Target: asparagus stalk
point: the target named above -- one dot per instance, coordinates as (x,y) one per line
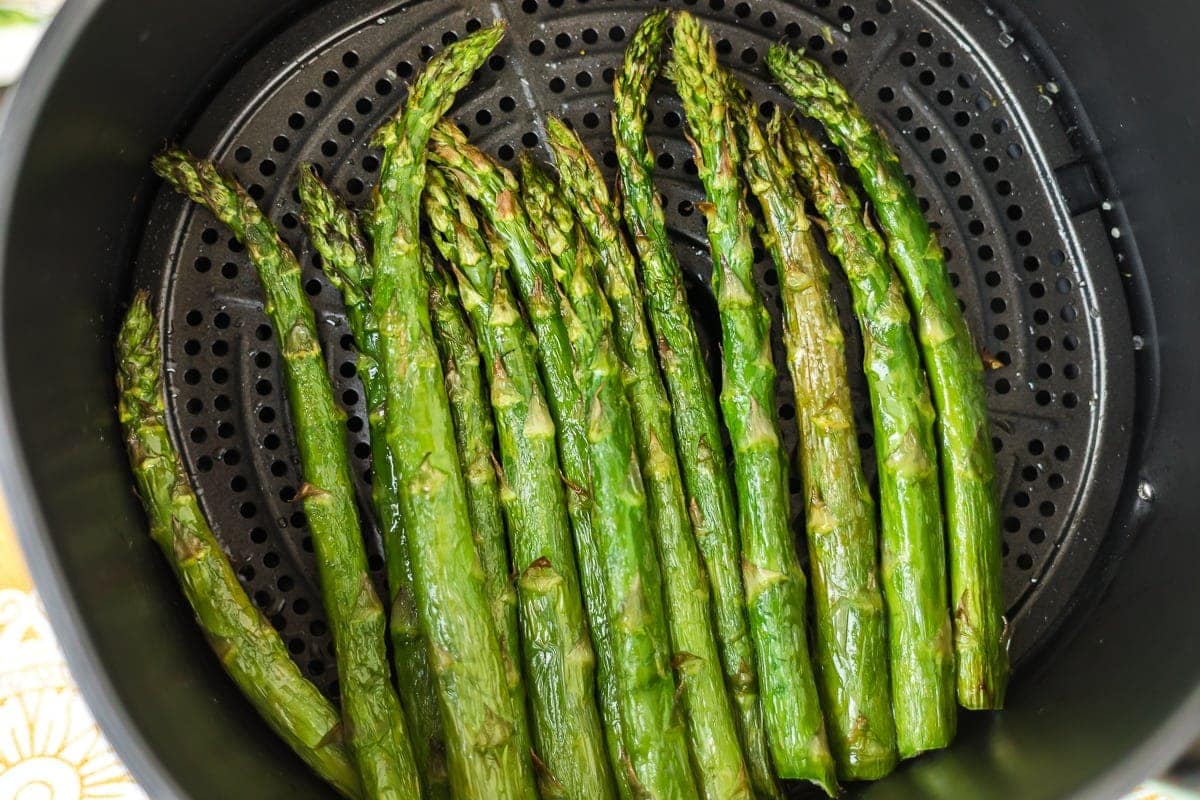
(487,753)
(912,543)
(249,648)
(588,318)
(569,413)
(627,599)
(573,256)
(572,263)
(335,232)
(774,581)
(374,723)
(955,376)
(475,432)
(715,744)
(839,515)
(697,430)
(560,663)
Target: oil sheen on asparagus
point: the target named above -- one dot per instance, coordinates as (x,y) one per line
(559,662)
(336,234)
(475,432)
(955,376)
(774,581)
(655,743)
(249,648)
(713,736)
(839,515)
(570,251)
(375,725)
(697,429)
(569,411)
(486,734)
(912,541)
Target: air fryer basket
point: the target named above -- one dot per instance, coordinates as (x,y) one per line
(979,130)
(989,127)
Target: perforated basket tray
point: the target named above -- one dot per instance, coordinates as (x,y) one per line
(979,126)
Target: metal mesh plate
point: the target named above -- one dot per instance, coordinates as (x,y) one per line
(975,121)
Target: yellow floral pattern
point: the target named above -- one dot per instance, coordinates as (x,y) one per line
(50,747)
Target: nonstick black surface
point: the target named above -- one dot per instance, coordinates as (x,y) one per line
(1097,454)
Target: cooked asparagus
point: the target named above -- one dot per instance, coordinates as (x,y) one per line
(955,375)
(571,256)
(374,723)
(774,581)
(839,515)
(589,322)
(336,233)
(655,745)
(475,431)
(559,662)
(569,412)
(912,543)
(488,756)
(249,648)
(713,736)
(697,430)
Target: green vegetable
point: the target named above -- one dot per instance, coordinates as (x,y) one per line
(715,745)
(475,432)
(912,543)
(249,648)
(559,662)
(569,412)
(774,581)
(620,573)
(839,515)
(488,755)
(374,723)
(335,232)
(572,262)
(697,430)
(955,377)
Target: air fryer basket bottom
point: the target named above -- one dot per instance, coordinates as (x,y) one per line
(979,126)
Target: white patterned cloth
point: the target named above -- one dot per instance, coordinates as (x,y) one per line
(50,747)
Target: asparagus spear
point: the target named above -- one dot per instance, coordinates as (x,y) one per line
(475,432)
(628,598)
(697,431)
(955,377)
(374,723)
(774,580)
(556,225)
(559,660)
(487,753)
(335,232)
(569,413)
(912,543)
(588,318)
(249,648)
(715,745)
(573,261)
(839,515)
